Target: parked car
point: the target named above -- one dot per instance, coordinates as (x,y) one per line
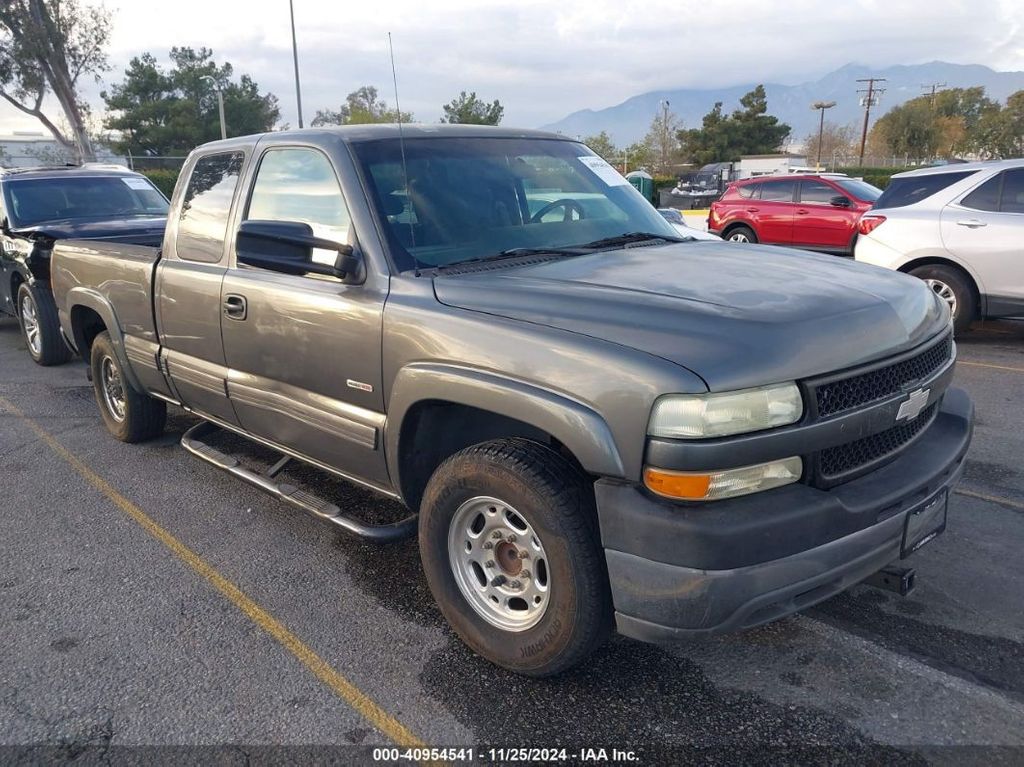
(813,212)
(675,218)
(39,206)
(958,227)
(589,418)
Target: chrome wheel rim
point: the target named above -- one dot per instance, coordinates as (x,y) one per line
(738,237)
(113,389)
(30,324)
(943,291)
(499,563)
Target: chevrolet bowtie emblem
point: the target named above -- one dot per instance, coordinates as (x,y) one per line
(913,405)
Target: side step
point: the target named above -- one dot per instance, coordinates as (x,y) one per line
(192,441)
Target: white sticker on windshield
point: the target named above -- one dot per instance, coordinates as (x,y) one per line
(604,171)
(137,183)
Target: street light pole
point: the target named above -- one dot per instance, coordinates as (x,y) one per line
(821,106)
(665,138)
(220,106)
(295,59)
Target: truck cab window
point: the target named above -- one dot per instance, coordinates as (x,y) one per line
(300,185)
(205,207)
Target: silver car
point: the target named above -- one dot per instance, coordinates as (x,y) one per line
(960,228)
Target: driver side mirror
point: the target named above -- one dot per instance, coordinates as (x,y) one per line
(287,247)
(839,201)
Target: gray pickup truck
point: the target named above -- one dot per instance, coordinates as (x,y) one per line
(593,421)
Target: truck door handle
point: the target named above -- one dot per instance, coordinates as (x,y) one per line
(235,306)
(802,212)
(971,223)
(752,210)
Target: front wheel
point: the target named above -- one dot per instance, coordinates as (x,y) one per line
(952,286)
(129,415)
(40,326)
(509,543)
(741,234)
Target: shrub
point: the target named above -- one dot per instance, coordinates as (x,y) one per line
(163,179)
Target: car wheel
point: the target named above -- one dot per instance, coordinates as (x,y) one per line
(952,286)
(40,326)
(509,543)
(129,415)
(741,234)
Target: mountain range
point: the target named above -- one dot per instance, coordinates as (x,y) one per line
(630,120)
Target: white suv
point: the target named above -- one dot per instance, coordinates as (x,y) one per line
(960,228)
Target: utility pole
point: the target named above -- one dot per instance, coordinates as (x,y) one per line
(295,58)
(870,98)
(821,106)
(931,89)
(220,105)
(666,138)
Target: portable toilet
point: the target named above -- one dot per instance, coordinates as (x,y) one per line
(644,183)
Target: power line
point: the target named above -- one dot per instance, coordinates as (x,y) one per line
(868,100)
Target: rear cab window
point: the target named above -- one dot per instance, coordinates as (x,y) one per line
(205,207)
(912,189)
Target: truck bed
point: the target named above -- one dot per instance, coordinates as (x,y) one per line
(120,272)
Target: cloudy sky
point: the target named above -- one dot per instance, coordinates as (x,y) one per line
(546,58)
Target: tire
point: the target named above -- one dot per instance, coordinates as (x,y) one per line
(551,505)
(741,234)
(955,287)
(40,326)
(129,415)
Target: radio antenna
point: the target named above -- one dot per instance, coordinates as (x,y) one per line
(405,166)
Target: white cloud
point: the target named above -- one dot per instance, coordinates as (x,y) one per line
(543,58)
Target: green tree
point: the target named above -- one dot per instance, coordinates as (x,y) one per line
(748,130)
(638,155)
(470,110)
(946,124)
(46,46)
(1000,133)
(663,139)
(362,106)
(603,145)
(158,112)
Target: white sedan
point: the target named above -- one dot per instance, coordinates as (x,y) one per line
(675,218)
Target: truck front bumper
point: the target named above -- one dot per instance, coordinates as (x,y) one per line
(680,571)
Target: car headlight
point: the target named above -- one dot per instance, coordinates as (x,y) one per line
(698,416)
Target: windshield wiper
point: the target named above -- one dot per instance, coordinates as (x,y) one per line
(631,237)
(517,253)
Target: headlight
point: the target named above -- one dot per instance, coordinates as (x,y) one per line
(728,483)
(696,416)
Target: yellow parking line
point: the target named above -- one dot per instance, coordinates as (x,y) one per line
(345,689)
(991,498)
(988,365)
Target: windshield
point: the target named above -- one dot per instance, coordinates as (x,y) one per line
(471,198)
(861,190)
(32,201)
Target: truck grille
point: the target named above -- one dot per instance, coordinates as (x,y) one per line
(836,461)
(858,390)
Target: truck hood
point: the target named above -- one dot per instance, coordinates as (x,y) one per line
(736,315)
(92,229)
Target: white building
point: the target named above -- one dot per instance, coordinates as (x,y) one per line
(771,165)
(26,148)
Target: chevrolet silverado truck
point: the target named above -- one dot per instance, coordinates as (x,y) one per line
(39,206)
(593,422)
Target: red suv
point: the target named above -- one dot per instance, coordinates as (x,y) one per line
(818,212)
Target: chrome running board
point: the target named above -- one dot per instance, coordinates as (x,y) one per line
(192,441)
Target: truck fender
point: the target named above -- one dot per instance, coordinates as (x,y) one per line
(93,299)
(581,429)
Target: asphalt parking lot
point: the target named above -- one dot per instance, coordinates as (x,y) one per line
(146,598)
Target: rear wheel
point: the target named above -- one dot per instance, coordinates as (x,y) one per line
(953,287)
(130,415)
(509,544)
(741,234)
(40,326)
